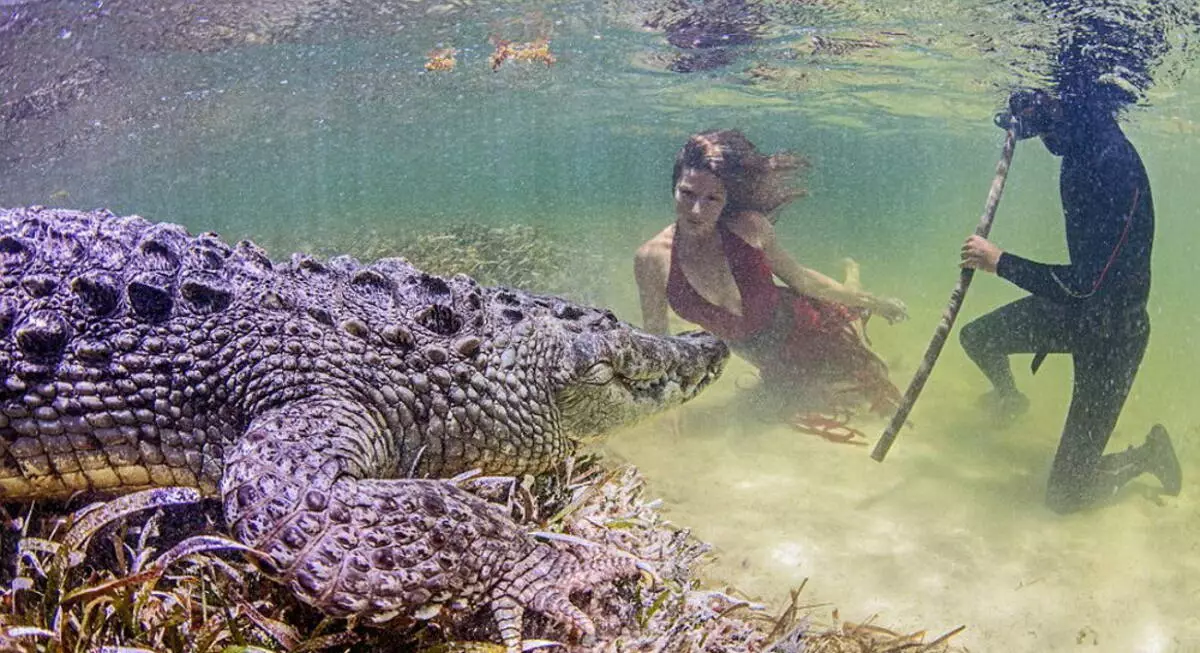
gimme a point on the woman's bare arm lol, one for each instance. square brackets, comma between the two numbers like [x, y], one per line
[651, 265]
[758, 231]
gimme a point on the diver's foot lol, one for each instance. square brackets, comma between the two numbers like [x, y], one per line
[1161, 460]
[1004, 406]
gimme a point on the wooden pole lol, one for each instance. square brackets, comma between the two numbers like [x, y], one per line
[951, 313]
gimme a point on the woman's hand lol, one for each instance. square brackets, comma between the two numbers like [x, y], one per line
[979, 253]
[891, 309]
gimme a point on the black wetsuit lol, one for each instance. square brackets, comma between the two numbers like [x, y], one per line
[1094, 308]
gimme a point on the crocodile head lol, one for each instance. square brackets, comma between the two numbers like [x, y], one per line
[602, 373]
[617, 374]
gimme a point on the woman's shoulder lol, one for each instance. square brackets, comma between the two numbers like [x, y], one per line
[657, 250]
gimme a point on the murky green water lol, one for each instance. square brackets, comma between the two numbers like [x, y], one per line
[337, 129]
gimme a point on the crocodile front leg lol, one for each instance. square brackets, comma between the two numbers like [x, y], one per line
[308, 485]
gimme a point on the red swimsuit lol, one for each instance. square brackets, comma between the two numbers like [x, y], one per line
[802, 345]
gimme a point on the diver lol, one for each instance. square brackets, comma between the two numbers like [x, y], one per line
[1093, 308]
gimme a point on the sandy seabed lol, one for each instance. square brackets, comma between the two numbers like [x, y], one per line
[950, 530]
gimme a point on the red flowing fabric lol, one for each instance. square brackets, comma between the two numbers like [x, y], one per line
[799, 344]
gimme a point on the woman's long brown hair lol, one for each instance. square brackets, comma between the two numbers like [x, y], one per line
[753, 181]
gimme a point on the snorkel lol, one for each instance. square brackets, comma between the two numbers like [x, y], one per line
[1064, 124]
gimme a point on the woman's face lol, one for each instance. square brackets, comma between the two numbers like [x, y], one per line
[699, 198]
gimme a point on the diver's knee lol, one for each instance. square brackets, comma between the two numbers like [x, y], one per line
[970, 337]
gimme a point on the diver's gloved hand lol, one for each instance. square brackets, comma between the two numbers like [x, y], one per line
[1031, 112]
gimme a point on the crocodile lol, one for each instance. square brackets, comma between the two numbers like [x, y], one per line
[323, 402]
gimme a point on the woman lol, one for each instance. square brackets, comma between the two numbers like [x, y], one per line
[715, 267]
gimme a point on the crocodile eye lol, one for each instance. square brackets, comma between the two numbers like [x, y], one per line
[598, 374]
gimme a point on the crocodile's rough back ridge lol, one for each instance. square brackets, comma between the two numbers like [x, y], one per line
[320, 401]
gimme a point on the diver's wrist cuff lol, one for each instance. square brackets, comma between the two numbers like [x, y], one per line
[1004, 265]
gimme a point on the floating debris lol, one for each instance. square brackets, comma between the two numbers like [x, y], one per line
[529, 52]
[836, 46]
[441, 60]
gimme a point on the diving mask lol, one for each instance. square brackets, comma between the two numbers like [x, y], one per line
[1030, 112]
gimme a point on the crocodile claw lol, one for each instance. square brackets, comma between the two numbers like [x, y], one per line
[543, 581]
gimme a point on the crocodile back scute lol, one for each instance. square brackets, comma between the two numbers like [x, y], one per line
[133, 353]
[98, 323]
